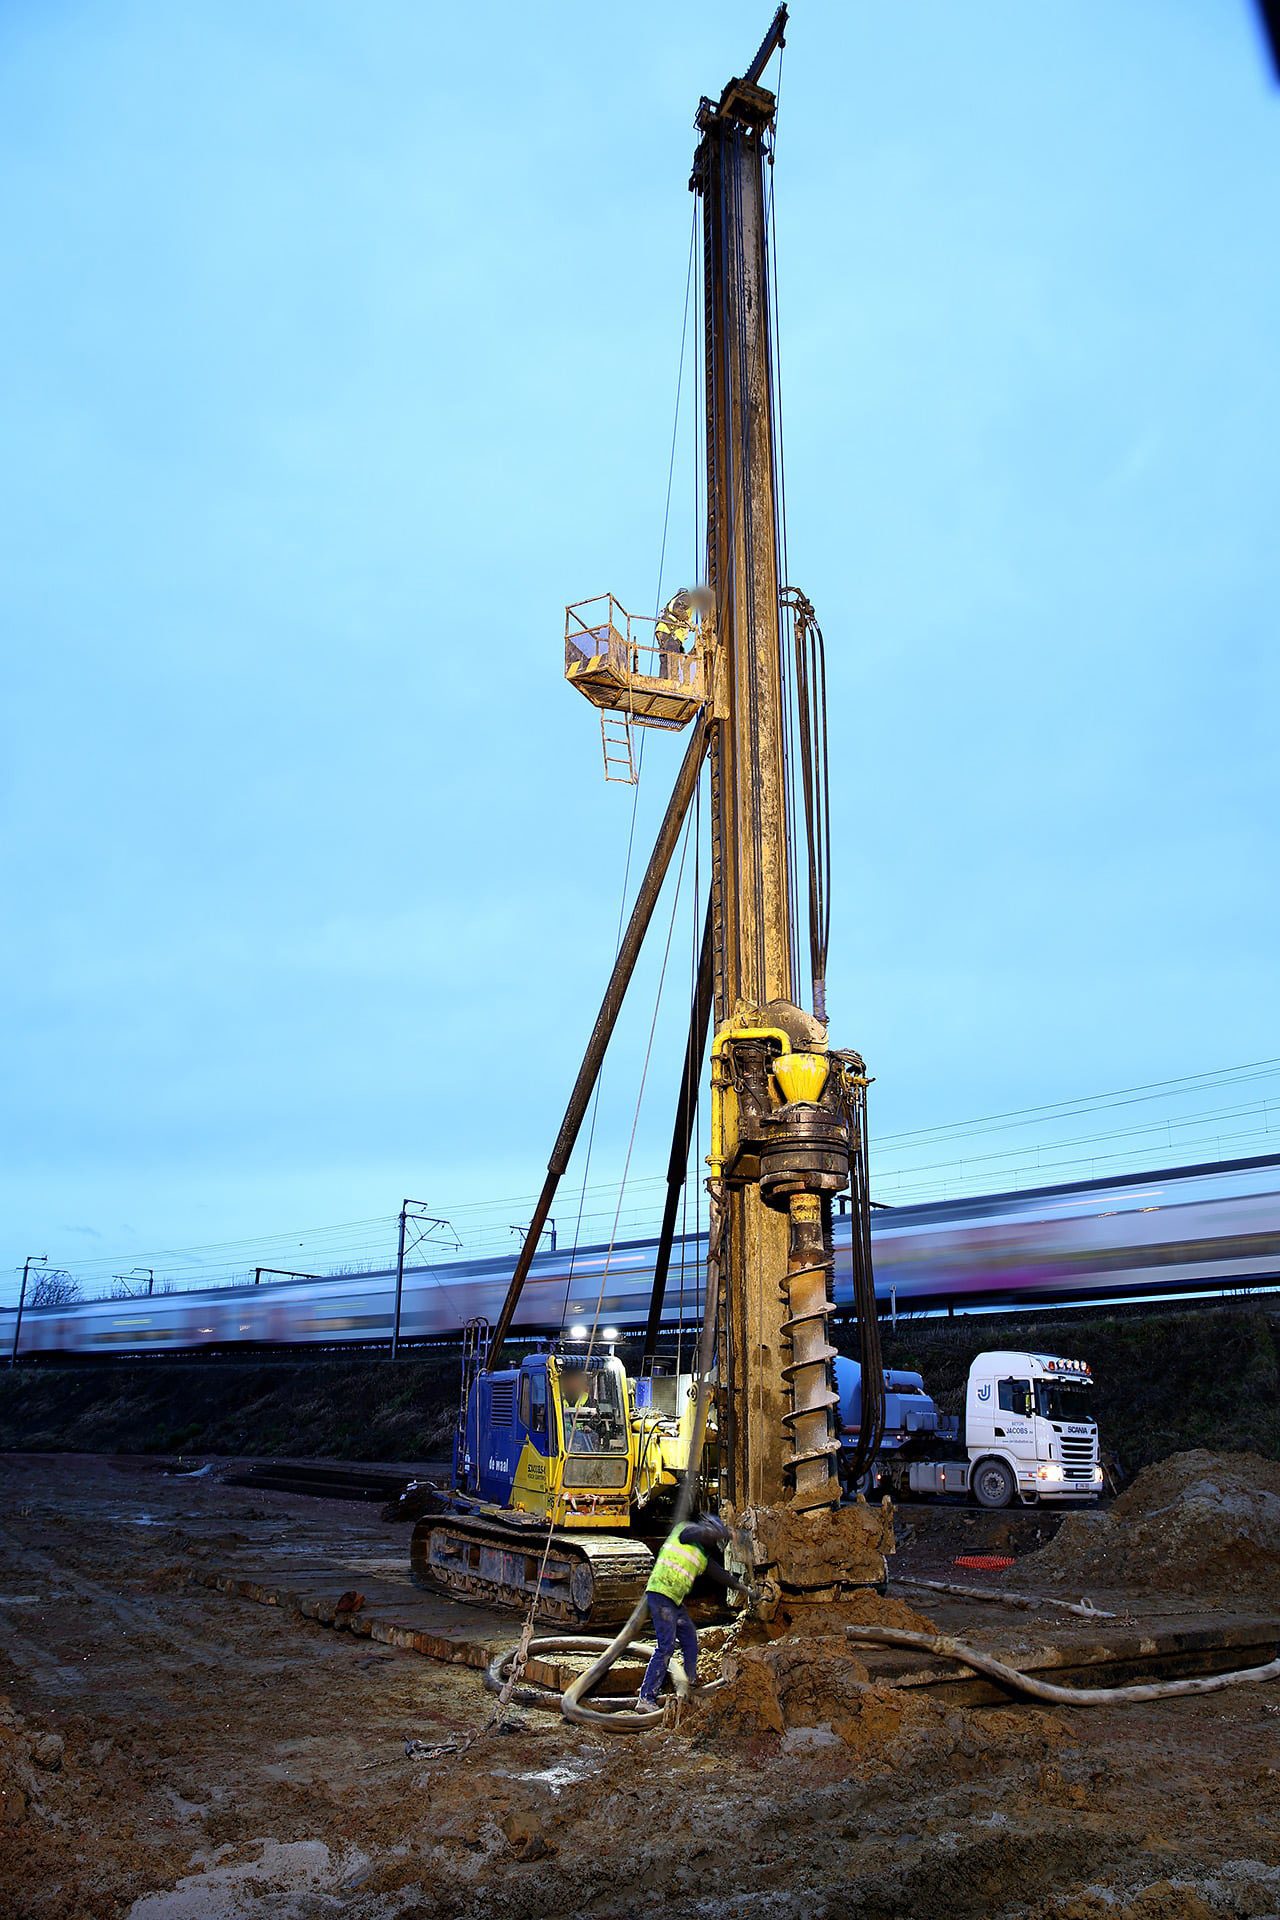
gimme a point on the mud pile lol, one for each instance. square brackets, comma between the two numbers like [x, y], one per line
[1196, 1522]
[803, 1679]
[50, 1785]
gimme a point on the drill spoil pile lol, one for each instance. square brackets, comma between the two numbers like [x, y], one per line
[808, 1684]
[1196, 1522]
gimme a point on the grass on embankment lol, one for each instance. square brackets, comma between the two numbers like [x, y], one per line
[1166, 1379]
[348, 1409]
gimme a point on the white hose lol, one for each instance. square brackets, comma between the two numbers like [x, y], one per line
[1017, 1682]
[531, 1694]
[998, 1597]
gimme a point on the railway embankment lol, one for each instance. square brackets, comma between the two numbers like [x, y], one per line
[357, 1408]
[1168, 1379]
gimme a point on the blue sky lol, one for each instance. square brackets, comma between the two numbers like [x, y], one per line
[338, 349]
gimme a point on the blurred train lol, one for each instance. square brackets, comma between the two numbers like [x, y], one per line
[1185, 1230]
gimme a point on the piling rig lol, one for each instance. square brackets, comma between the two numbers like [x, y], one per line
[740, 659]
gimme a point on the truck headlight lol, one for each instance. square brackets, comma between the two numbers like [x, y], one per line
[1097, 1475]
[1049, 1471]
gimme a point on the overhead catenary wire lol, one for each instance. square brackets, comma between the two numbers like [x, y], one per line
[1090, 1139]
[1265, 1069]
[358, 1243]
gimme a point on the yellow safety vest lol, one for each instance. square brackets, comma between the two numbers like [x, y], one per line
[676, 1568]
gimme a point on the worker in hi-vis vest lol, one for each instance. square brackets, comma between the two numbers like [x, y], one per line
[691, 1550]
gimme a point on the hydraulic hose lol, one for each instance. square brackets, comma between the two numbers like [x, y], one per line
[866, 1312]
[1017, 1682]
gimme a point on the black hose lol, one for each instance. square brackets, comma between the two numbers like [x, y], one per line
[871, 1360]
[815, 779]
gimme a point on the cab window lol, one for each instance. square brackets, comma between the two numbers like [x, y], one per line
[533, 1404]
[1015, 1397]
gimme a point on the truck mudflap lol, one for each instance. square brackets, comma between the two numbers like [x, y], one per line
[584, 1579]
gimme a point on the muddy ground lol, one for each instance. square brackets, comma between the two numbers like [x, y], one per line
[172, 1754]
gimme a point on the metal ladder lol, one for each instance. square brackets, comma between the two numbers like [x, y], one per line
[476, 1336]
[718, 855]
[618, 746]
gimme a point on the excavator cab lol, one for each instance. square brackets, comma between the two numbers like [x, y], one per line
[593, 1404]
[563, 1438]
[550, 1438]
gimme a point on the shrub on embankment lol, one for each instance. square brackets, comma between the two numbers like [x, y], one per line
[348, 1409]
[1168, 1379]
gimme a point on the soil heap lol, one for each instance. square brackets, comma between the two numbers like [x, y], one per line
[798, 1675]
[1197, 1522]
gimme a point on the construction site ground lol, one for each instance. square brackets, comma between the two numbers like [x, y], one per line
[171, 1746]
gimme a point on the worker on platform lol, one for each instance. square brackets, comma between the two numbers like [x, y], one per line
[676, 628]
[690, 1551]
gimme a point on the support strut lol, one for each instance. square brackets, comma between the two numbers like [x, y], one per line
[610, 1007]
[686, 1112]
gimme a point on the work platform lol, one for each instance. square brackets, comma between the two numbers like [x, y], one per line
[619, 661]
[638, 672]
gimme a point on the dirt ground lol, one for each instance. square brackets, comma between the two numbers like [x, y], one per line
[169, 1753]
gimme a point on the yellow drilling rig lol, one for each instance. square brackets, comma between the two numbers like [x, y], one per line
[560, 1471]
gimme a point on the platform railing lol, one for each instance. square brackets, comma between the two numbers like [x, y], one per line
[600, 632]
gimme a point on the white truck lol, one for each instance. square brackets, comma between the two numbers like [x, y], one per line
[1029, 1432]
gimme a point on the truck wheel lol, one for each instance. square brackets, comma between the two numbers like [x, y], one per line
[851, 1488]
[993, 1484]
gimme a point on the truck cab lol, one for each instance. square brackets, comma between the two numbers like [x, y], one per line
[1030, 1430]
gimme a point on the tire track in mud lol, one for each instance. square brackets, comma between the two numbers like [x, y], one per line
[27, 1654]
[144, 1617]
[187, 1665]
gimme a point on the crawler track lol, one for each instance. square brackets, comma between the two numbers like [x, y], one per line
[587, 1579]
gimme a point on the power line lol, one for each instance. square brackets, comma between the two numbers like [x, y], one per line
[483, 1224]
[1151, 1090]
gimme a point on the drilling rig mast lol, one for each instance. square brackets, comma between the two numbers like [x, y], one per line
[752, 936]
[740, 656]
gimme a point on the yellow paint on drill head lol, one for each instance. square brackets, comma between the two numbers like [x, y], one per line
[802, 1076]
